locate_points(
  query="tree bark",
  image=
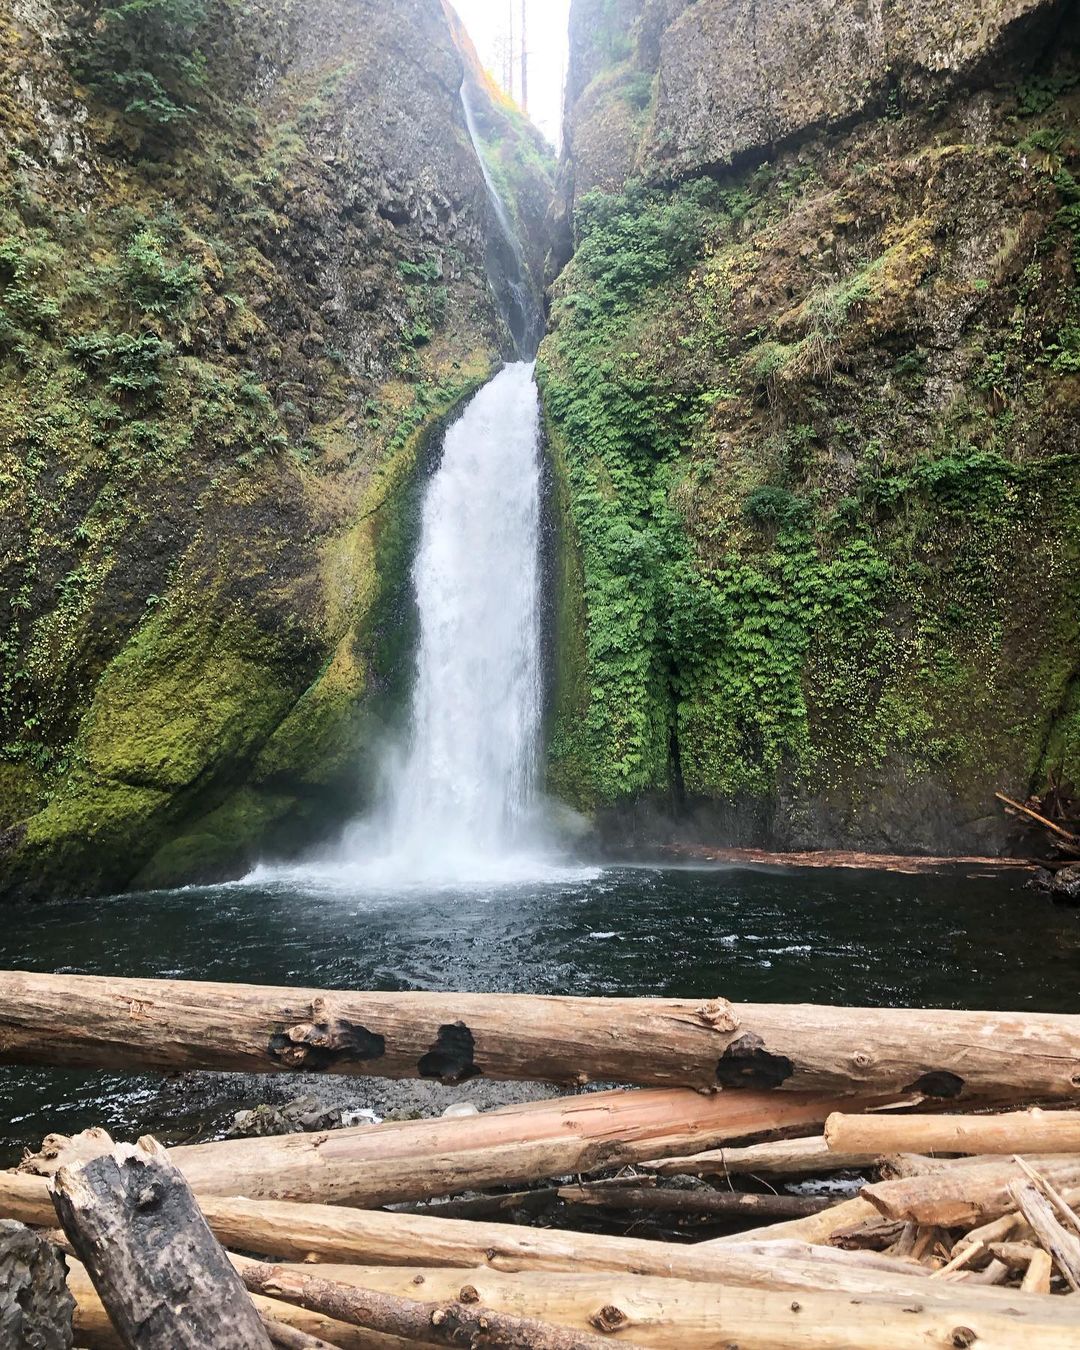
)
(670, 1314)
(783, 1157)
(458, 1322)
(83, 1021)
(961, 1197)
(35, 1306)
(418, 1159)
(161, 1274)
(714, 1204)
(1034, 1131)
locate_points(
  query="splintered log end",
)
(719, 1015)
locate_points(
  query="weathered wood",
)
(35, 1306)
(456, 1322)
(161, 1274)
(1047, 824)
(669, 1314)
(1040, 1268)
(673, 1314)
(1062, 1246)
(815, 1230)
(715, 1204)
(1034, 1131)
(782, 1157)
(286, 1337)
(960, 1197)
(417, 1159)
(83, 1021)
(95, 1331)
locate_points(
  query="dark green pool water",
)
(762, 934)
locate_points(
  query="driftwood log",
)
(702, 1204)
(459, 1321)
(671, 1313)
(783, 1157)
(297, 1232)
(418, 1159)
(960, 1197)
(95, 1331)
(1034, 1131)
(1062, 1246)
(35, 1305)
(83, 1021)
(158, 1269)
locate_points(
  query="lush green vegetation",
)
(143, 57)
(793, 570)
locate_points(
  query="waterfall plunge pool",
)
(761, 934)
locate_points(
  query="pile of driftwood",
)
(963, 1233)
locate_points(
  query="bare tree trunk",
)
(459, 1322)
(35, 1306)
(160, 1272)
(84, 1021)
(708, 1204)
(782, 1157)
(1034, 1131)
(418, 1159)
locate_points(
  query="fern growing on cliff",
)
(143, 57)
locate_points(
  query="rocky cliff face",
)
(813, 386)
(234, 296)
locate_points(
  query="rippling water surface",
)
(750, 934)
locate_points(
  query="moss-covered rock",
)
(818, 427)
(222, 350)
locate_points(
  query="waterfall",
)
(460, 798)
(458, 803)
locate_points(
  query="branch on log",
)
(963, 1196)
(83, 1021)
(35, 1306)
(161, 1274)
(417, 1159)
(1034, 1131)
(286, 1337)
(716, 1204)
(451, 1323)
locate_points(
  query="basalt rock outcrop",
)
(813, 393)
(239, 284)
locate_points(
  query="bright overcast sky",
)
(488, 22)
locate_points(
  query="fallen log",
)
(418, 1159)
(961, 1197)
(818, 1229)
(95, 1331)
(298, 1232)
(456, 1322)
(35, 1306)
(158, 1269)
(84, 1021)
(782, 1157)
(706, 1204)
(1034, 1131)
(671, 1313)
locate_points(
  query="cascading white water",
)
(459, 798)
(463, 794)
